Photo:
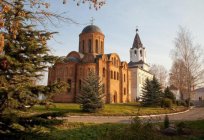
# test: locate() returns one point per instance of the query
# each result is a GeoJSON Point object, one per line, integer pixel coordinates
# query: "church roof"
{"type": "Point", "coordinates": [137, 42]}
{"type": "Point", "coordinates": [91, 29]}
{"type": "Point", "coordinates": [135, 63]}
{"type": "Point", "coordinates": [200, 90]}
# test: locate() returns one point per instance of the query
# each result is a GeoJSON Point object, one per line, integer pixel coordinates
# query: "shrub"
{"type": "Point", "coordinates": [166, 103]}
{"type": "Point", "coordinates": [183, 103]}
{"type": "Point", "coordinates": [170, 95]}
{"type": "Point", "coordinates": [166, 121]}
{"type": "Point", "coordinates": [178, 103]}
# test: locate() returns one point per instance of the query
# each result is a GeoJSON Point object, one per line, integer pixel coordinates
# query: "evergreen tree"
{"type": "Point", "coordinates": [168, 94]}
{"type": "Point", "coordinates": [151, 93]}
{"type": "Point", "coordinates": [25, 56]}
{"type": "Point", "coordinates": [91, 95]}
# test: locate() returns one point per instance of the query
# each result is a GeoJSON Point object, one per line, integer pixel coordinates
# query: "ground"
{"type": "Point", "coordinates": [196, 113]}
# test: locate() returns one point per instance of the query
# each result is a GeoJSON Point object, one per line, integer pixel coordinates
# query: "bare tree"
{"type": "Point", "coordinates": [188, 59]}
{"type": "Point", "coordinates": [160, 73]}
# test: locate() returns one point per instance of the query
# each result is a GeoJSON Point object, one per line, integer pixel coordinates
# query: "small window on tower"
{"type": "Point", "coordinates": [97, 46]}
{"type": "Point", "coordinates": [135, 52]}
{"type": "Point", "coordinates": [83, 46]}
{"type": "Point", "coordinates": [89, 44]}
{"type": "Point", "coordinates": [141, 53]}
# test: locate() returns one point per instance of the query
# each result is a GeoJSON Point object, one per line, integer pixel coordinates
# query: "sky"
{"type": "Point", "coordinates": [158, 22]}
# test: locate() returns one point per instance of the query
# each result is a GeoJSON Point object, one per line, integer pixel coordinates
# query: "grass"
{"type": "Point", "coordinates": [88, 131]}
{"type": "Point", "coordinates": [110, 109]}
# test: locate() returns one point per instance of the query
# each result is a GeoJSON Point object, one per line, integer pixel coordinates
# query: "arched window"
{"type": "Point", "coordinates": [111, 74]}
{"type": "Point", "coordinates": [114, 75]}
{"type": "Point", "coordinates": [135, 52]}
{"type": "Point", "coordinates": [69, 85]}
{"type": "Point", "coordinates": [89, 44]}
{"type": "Point", "coordinates": [124, 91]}
{"type": "Point", "coordinates": [114, 63]}
{"type": "Point", "coordinates": [124, 77]}
{"type": "Point", "coordinates": [141, 53]}
{"type": "Point", "coordinates": [104, 72]}
{"type": "Point", "coordinates": [83, 46]}
{"type": "Point", "coordinates": [79, 84]}
{"type": "Point", "coordinates": [96, 45]}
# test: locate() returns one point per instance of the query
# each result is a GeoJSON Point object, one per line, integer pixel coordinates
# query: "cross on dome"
{"type": "Point", "coordinates": [92, 20]}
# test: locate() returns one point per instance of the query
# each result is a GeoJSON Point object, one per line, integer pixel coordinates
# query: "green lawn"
{"type": "Point", "coordinates": [83, 131]}
{"type": "Point", "coordinates": [110, 109]}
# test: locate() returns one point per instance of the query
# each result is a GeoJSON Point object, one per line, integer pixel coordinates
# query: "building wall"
{"type": "Point", "coordinates": [197, 95]}
{"type": "Point", "coordinates": [64, 72]}
{"type": "Point", "coordinates": [114, 75]}
{"type": "Point", "coordinates": [138, 77]}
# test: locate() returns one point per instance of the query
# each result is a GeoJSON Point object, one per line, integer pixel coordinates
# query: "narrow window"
{"type": "Point", "coordinates": [104, 72]}
{"type": "Point", "coordinates": [80, 85]}
{"type": "Point", "coordinates": [124, 91]}
{"type": "Point", "coordinates": [135, 52]}
{"type": "Point", "coordinates": [89, 44]}
{"type": "Point", "coordinates": [114, 61]}
{"type": "Point", "coordinates": [124, 78]}
{"type": "Point", "coordinates": [83, 46]}
{"type": "Point", "coordinates": [96, 46]}
{"type": "Point", "coordinates": [117, 76]}
{"type": "Point", "coordinates": [69, 85]}
{"type": "Point", "coordinates": [111, 74]}
{"type": "Point", "coordinates": [114, 75]}
{"type": "Point", "coordinates": [141, 53]}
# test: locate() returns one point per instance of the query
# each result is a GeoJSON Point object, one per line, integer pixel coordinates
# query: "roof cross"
{"type": "Point", "coordinates": [92, 20]}
{"type": "Point", "coordinates": [137, 29]}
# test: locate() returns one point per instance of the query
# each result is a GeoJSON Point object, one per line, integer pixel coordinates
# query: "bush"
{"type": "Point", "coordinates": [166, 121]}
{"type": "Point", "coordinates": [166, 103]}
{"type": "Point", "coordinates": [183, 103]}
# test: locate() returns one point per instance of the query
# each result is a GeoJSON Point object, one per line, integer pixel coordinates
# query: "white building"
{"type": "Point", "coordinates": [198, 94]}
{"type": "Point", "coordinates": [138, 67]}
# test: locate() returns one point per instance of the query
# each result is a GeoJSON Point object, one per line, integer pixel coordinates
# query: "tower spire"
{"type": "Point", "coordinates": [137, 42]}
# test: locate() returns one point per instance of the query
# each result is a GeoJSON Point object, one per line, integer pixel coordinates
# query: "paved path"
{"type": "Point", "coordinates": [196, 113]}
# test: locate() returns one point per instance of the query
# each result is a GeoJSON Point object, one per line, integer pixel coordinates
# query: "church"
{"type": "Point", "coordinates": [122, 81]}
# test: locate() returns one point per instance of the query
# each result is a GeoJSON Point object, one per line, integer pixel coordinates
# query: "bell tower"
{"type": "Point", "coordinates": [138, 53]}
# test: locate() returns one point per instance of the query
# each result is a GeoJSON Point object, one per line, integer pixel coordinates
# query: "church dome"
{"type": "Point", "coordinates": [91, 29]}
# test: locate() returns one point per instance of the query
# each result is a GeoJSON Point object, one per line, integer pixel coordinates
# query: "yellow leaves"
{"type": "Point", "coordinates": [1, 23]}
{"type": "Point", "coordinates": [1, 42]}
{"type": "Point", "coordinates": [22, 14]}
{"type": "Point", "coordinates": [6, 8]}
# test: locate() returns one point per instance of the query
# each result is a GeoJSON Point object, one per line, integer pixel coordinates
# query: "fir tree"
{"type": "Point", "coordinates": [25, 56]}
{"type": "Point", "coordinates": [91, 95]}
{"type": "Point", "coordinates": [151, 93]}
{"type": "Point", "coordinates": [168, 94]}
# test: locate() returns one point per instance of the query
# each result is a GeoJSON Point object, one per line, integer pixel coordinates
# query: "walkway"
{"type": "Point", "coordinates": [196, 113]}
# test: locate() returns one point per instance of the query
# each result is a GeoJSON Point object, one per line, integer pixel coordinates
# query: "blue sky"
{"type": "Point", "coordinates": [158, 22]}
